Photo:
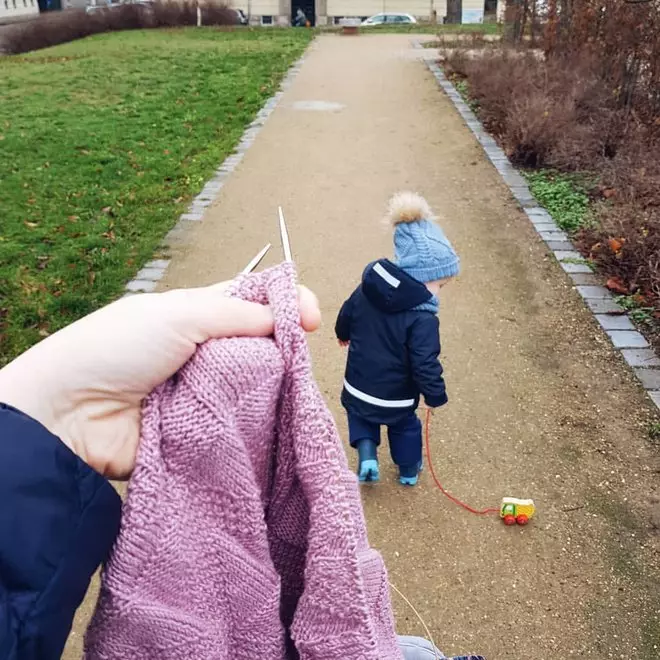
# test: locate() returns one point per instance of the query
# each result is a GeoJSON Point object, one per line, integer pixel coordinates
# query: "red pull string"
{"type": "Point", "coordinates": [455, 500]}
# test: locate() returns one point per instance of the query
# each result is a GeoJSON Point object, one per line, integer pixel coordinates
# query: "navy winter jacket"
{"type": "Point", "coordinates": [394, 346]}
{"type": "Point", "coordinates": [58, 521]}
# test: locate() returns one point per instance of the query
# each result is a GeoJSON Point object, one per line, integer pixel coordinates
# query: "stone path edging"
{"type": "Point", "coordinates": [153, 271]}
{"type": "Point", "coordinates": [610, 315]}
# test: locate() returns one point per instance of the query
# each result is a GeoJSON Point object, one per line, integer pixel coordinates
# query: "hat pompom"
{"type": "Point", "coordinates": [408, 207]}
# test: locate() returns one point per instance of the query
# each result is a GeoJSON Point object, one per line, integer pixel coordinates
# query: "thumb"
{"type": "Point", "coordinates": [207, 312]}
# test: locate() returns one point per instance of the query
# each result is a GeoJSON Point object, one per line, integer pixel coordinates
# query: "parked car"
{"type": "Point", "coordinates": [389, 18]}
{"type": "Point", "coordinates": [241, 18]}
{"type": "Point", "coordinates": [109, 4]}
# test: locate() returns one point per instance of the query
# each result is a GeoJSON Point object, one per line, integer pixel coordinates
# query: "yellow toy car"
{"type": "Point", "coordinates": [514, 511]}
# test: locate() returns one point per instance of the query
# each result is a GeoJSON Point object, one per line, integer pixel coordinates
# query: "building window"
{"type": "Point", "coordinates": [266, 20]}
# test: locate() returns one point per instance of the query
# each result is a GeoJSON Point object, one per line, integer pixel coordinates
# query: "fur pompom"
{"type": "Point", "coordinates": [408, 207]}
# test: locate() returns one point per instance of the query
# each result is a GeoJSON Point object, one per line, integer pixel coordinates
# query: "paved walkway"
{"type": "Point", "coordinates": [540, 405]}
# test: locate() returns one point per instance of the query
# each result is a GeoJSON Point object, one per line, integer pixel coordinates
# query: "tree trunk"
{"type": "Point", "coordinates": [514, 20]}
{"type": "Point", "coordinates": [455, 11]}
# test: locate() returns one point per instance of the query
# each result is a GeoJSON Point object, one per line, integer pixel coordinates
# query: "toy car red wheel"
{"type": "Point", "coordinates": [522, 519]}
{"type": "Point", "coordinates": [509, 520]}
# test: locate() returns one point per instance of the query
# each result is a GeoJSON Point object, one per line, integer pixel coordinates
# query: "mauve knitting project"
{"type": "Point", "coordinates": [243, 527]}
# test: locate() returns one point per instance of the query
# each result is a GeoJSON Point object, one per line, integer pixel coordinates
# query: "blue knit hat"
{"type": "Point", "coordinates": [421, 248]}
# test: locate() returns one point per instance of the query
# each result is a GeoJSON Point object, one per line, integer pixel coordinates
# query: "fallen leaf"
{"type": "Point", "coordinates": [31, 225]}
{"type": "Point", "coordinates": [640, 300]}
{"type": "Point", "coordinates": [73, 218]}
{"type": "Point", "coordinates": [616, 285]}
{"type": "Point", "coordinates": [615, 244]}
{"type": "Point", "coordinates": [107, 209]}
{"type": "Point", "coordinates": [609, 192]}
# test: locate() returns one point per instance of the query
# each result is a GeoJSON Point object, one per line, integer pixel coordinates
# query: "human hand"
{"type": "Point", "coordinates": [427, 408]}
{"type": "Point", "coordinates": [86, 382]}
{"type": "Point", "coordinates": [342, 343]}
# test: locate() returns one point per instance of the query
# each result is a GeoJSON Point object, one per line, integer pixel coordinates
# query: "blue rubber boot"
{"type": "Point", "coordinates": [409, 475]}
{"type": "Point", "coordinates": [368, 458]}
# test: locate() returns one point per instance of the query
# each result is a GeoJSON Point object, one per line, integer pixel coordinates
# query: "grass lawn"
{"type": "Point", "coordinates": [423, 28]}
{"type": "Point", "coordinates": [103, 142]}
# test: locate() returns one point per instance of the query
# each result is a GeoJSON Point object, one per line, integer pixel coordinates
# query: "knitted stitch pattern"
{"type": "Point", "coordinates": [243, 536]}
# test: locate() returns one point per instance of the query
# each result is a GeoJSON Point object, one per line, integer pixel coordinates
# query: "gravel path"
{"type": "Point", "coordinates": [540, 405]}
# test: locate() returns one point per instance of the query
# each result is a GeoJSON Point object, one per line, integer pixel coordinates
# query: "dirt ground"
{"type": "Point", "coordinates": [540, 405]}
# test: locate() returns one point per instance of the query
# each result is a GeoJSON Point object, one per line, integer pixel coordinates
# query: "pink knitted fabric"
{"type": "Point", "coordinates": [243, 527]}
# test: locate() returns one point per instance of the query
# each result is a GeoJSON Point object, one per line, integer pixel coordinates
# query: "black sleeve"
{"type": "Point", "coordinates": [343, 324]}
{"type": "Point", "coordinates": [424, 351]}
{"type": "Point", "coordinates": [58, 521]}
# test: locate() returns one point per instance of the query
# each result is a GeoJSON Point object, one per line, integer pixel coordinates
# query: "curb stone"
{"type": "Point", "coordinates": [612, 318]}
{"type": "Point", "coordinates": [153, 271]}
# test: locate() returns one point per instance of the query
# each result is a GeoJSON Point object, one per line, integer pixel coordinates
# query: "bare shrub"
{"type": "Point", "coordinates": [592, 104]}
{"type": "Point", "coordinates": [60, 27]}
{"type": "Point", "coordinates": [544, 113]}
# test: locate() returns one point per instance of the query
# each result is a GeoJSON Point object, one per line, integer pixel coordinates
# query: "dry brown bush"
{"type": "Point", "coordinates": [60, 27]}
{"type": "Point", "coordinates": [553, 113]}
{"type": "Point", "coordinates": [591, 104]}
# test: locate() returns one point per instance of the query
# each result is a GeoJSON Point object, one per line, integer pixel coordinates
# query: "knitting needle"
{"type": "Point", "coordinates": [256, 260]}
{"type": "Point", "coordinates": [286, 246]}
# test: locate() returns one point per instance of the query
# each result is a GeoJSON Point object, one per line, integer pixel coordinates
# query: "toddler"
{"type": "Point", "coordinates": [391, 327]}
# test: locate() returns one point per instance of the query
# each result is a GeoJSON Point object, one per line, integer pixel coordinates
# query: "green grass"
{"type": "Point", "coordinates": [463, 88]}
{"type": "Point", "coordinates": [421, 28]}
{"type": "Point", "coordinates": [654, 431]}
{"type": "Point", "coordinates": [638, 313]}
{"type": "Point", "coordinates": [563, 195]}
{"type": "Point", "coordinates": [103, 142]}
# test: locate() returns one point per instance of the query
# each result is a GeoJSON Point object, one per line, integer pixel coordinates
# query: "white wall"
{"type": "Point", "coordinates": [17, 9]}
{"type": "Point", "coordinates": [418, 8]}
{"type": "Point", "coordinates": [257, 7]}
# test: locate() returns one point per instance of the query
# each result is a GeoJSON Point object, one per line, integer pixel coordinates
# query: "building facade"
{"type": "Point", "coordinates": [17, 10]}
{"type": "Point", "coordinates": [280, 12]}
{"type": "Point", "coordinates": [330, 12]}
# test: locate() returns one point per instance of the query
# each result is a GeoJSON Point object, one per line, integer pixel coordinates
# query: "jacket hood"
{"type": "Point", "coordinates": [390, 289]}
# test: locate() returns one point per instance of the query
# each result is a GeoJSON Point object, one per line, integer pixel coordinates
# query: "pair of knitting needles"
{"type": "Point", "coordinates": [286, 246]}
{"type": "Point", "coordinates": [254, 262]}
